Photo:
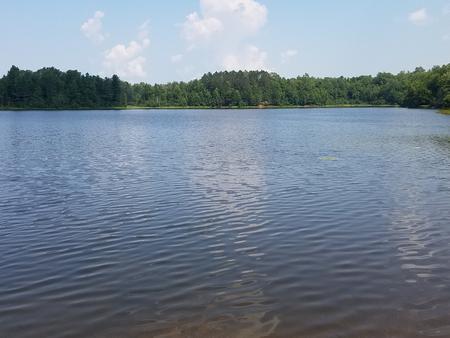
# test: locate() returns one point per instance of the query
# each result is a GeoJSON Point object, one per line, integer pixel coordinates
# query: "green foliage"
{"type": "Point", "coordinates": [234, 89]}
{"type": "Point", "coordinates": [51, 88]}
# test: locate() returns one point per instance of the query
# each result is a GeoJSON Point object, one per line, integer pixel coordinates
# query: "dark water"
{"type": "Point", "coordinates": [280, 223]}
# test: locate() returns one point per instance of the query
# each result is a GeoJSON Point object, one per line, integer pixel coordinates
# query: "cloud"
{"type": "Point", "coordinates": [222, 28]}
{"type": "Point", "coordinates": [250, 58]}
{"type": "Point", "coordinates": [248, 13]}
{"type": "Point", "coordinates": [127, 61]}
{"type": "Point", "coordinates": [176, 58]}
{"type": "Point", "coordinates": [242, 17]}
{"type": "Point", "coordinates": [143, 33]}
{"type": "Point", "coordinates": [93, 29]}
{"type": "Point", "coordinates": [418, 17]}
{"type": "Point", "coordinates": [288, 54]}
{"type": "Point", "coordinates": [196, 28]}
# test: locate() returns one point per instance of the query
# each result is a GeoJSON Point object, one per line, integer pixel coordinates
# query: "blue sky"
{"type": "Point", "coordinates": [161, 41]}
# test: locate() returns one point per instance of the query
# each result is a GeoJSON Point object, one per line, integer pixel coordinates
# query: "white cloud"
{"type": "Point", "coordinates": [176, 58]}
{"type": "Point", "coordinates": [248, 13]}
{"type": "Point", "coordinates": [196, 28]}
{"type": "Point", "coordinates": [221, 30]}
{"type": "Point", "coordinates": [229, 17]}
{"type": "Point", "coordinates": [93, 29]}
{"type": "Point", "coordinates": [250, 58]}
{"type": "Point", "coordinates": [143, 33]}
{"type": "Point", "coordinates": [127, 61]}
{"type": "Point", "coordinates": [418, 17]}
{"type": "Point", "coordinates": [288, 54]}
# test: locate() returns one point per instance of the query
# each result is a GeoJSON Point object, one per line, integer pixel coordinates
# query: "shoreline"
{"type": "Point", "coordinates": [445, 111]}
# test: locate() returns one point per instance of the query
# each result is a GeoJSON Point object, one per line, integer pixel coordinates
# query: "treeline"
{"type": "Point", "coordinates": [224, 89]}
{"type": "Point", "coordinates": [51, 88]}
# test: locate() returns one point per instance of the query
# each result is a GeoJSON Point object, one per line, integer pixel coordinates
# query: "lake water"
{"type": "Point", "coordinates": [225, 223]}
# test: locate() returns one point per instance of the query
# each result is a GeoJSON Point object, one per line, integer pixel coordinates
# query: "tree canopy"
{"type": "Point", "coordinates": [52, 88]}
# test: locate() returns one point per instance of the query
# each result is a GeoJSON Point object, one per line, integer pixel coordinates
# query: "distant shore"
{"type": "Point", "coordinates": [52, 89]}
{"type": "Point", "coordinates": [441, 110]}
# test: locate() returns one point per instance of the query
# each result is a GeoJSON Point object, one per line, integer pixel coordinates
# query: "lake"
{"type": "Point", "coordinates": [225, 223]}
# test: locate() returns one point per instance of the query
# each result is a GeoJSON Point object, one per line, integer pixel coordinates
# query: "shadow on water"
{"type": "Point", "coordinates": [441, 140]}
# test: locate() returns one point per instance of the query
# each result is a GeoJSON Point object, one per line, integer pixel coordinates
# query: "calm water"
{"type": "Point", "coordinates": [279, 223]}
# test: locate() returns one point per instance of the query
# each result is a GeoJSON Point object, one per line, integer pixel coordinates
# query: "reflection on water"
{"type": "Point", "coordinates": [277, 223]}
{"type": "Point", "coordinates": [231, 179]}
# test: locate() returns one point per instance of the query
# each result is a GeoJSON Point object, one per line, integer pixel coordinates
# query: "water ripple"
{"type": "Point", "coordinates": [286, 223]}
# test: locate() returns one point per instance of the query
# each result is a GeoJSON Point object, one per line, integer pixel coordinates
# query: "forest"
{"type": "Point", "coordinates": [50, 88]}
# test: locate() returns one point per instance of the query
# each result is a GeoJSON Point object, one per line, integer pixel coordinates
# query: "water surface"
{"type": "Point", "coordinates": [279, 223]}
